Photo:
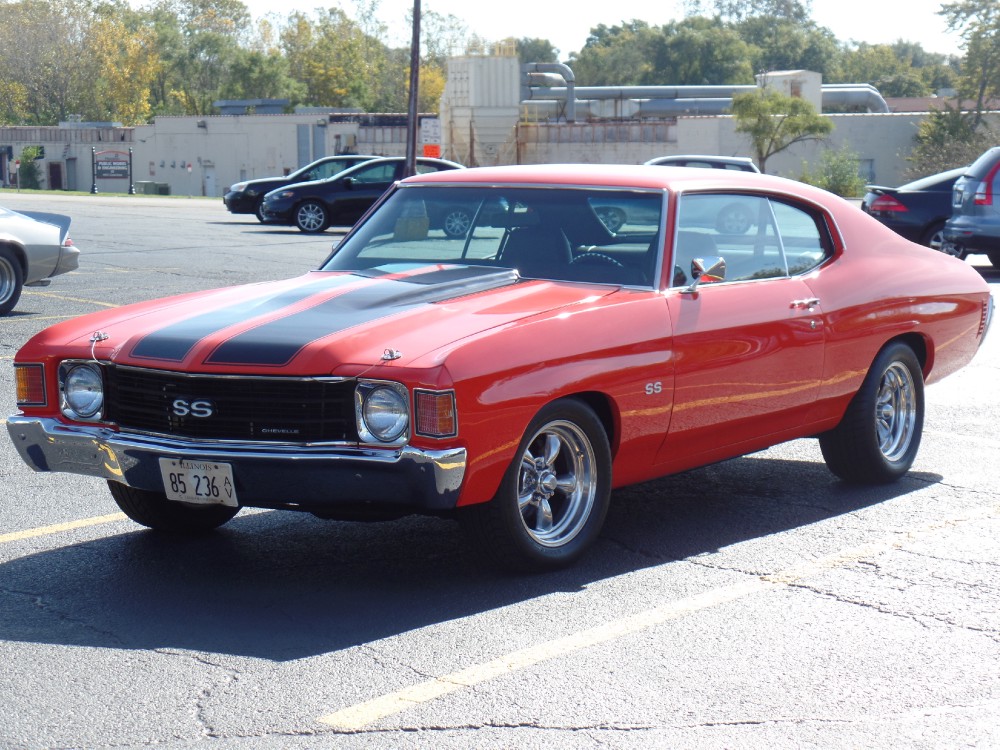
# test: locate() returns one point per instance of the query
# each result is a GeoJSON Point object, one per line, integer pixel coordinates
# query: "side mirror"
{"type": "Point", "coordinates": [710, 270]}
{"type": "Point", "coordinates": [348, 183]}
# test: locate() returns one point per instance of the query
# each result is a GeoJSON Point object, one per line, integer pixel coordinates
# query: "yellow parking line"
{"type": "Point", "coordinates": [358, 716]}
{"type": "Point", "coordinates": [17, 536]}
{"type": "Point", "coordinates": [71, 299]}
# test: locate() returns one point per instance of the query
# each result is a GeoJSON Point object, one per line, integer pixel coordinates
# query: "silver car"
{"type": "Point", "coordinates": [974, 226]}
{"type": "Point", "coordinates": [33, 248]}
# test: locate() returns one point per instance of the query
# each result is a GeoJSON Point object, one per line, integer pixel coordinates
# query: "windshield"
{"type": "Point", "coordinates": [565, 234]}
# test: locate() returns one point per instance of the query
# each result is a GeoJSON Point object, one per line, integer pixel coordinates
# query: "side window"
{"type": "Point", "coordinates": [758, 237]}
{"type": "Point", "coordinates": [804, 238]}
{"type": "Point", "coordinates": [377, 173]}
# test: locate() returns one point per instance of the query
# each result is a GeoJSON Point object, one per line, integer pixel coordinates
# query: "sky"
{"type": "Point", "coordinates": [567, 24]}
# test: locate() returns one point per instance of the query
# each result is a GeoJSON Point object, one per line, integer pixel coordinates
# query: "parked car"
{"type": "Point", "coordinates": [917, 210]}
{"type": "Point", "coordinates": [34, 247]}
{"type": "Point", "coordinates": [342, 199]}
{"type": "Point", "coordinates": [737, 163]}
{"type": "Point", "coordinates": [245, 197]}
{"type": "Point", "coordinates": [735, 219]}
{"type": "Point", "coordinates": [514, 379]}
{"type": "Point", "coordinates": [974, 226]}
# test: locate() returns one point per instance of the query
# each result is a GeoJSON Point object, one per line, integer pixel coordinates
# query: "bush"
{"type": "Point", "coordinates": [838, 173]}
{"type": "Point", "coordinates": [28, 174]}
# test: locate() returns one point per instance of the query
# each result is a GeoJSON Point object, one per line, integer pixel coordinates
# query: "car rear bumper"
{"type": "Point", "coordinates": [266, 475]}
{"type": "Point", "coordinates": [973, 237]}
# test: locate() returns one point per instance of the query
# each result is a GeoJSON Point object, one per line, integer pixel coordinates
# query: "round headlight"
{"type": "Point", "coordinates": [385, 414]}
{"type": "Point", "coordinates": [83, 391]}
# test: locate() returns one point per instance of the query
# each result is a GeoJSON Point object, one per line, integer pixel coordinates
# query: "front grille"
{"type": "Point", "coordinates": [215, 407]}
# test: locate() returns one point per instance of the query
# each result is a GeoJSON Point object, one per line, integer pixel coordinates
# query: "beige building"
{"type": "Point", "coordinates": [488, 115]}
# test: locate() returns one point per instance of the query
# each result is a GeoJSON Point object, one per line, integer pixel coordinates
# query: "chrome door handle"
{"type": "Point", "coordinates": [805, 304]}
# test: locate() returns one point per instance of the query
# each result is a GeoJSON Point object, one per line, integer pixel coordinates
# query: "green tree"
{"type": "Point", "coordinates": [775, 122]}
{"type": "Point", "coordinates": [536, 50]}
{"type": "Point", "coordinates": [783, 44]}
{"type": "Point", "coordinates": [695, 51]}
{"type": "Point", "coordinates": [883, 68]}
{"type": "Point", "coordinates": [124, 65]}
{"type": "Point", "coordinates": [616, 55]}
{"type": "Point", "coordinates": [700, 51]}
{"type": "Point", "coordinates": [978, 22]}
{"type": "Point", "coordinates": [740, 10]}
{"type": "Point", "coordinates": [837, 172]}
{"type": "Point", "coordinates": [947, 138]}
{"type": "Point", "coordinates": [29, 176]}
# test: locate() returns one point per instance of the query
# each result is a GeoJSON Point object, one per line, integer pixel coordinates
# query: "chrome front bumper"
{"type": "Point", "coordinates": [266, 475]}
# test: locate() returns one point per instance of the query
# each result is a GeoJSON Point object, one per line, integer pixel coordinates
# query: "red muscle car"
{"type": "Point", "coordinates": [514, 375]}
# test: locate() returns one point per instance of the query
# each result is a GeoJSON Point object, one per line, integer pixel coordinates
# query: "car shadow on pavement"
{"type": "Point", "coordinates": [283, 586]}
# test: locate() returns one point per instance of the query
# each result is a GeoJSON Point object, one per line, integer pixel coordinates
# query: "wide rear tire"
{"type": "Point", "coordinates": [11, 280]}
{"type": "Point", "coordinates": [152, 509]}
{"type": "Point", "coordinates": [877, 440]}
{"type": "Point", "coordinates": [554, 497]}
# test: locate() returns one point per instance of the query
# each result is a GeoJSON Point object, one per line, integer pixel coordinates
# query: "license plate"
{"type": "Point", "coordinates": [202, 482]}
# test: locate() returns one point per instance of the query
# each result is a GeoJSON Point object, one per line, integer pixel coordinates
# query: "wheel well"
{"type": "Point", "coordinates": [18, 252]}
{"type": "Point", "coordinates": [602, 407]}
{"type": "Point", "coordinates": [918, 344]}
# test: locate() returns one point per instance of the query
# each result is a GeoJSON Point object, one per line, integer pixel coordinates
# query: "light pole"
{"type": "Point", "coordinates": [410, 168]}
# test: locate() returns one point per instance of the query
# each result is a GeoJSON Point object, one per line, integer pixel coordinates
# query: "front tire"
{"type": "Point", "coordinates": [877, 440]}
{"type": "Point", "coordinates": [553, 499]}
{"type": "Point", "coordinates": [311, 217]}
{"type": "Point", "coordinates": [11, 280]}
{"type": "Point", "coordinates": [994, 258]}
{"type": "Point", "coordinates": [152, 509]}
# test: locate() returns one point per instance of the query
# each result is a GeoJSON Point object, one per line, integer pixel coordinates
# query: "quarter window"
{"type": "Point", "coordinates": [759, 237]}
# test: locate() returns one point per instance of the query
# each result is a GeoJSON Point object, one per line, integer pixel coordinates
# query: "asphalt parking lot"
{"type": "Point", "coordinates": [754, 603]}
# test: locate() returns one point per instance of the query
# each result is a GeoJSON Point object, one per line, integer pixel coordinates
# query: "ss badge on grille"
{"type": "Point", "coordinates": [199, 407]}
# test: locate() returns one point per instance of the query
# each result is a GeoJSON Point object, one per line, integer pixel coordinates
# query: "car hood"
{"type": "Point", "coordinates": [323, 323]}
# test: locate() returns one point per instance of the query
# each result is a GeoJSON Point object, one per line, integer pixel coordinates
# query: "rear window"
{"type": "Point", "coordinates": [981, 166]}
{"type": "Point", "coordinates": [942, 181]}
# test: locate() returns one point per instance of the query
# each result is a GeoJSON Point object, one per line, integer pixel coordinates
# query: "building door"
{"type": "Point", "coordinates": [55, 175]}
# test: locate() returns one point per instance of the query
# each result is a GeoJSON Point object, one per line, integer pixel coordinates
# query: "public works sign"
{"type": "Point", "coordinates": [111, 164]}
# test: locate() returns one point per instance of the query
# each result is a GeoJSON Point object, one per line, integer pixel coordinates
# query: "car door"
{"type": "Point", "coordinates": [359, 190]}
{"type": "Point", "coordinates": [748, 349]}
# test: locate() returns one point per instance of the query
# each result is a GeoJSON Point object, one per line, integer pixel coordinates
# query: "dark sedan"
{"type": "Point", "coordinates": [342, 199]}
{"type": "Point", "coordinates": [245, 197]}
{"type": "Point", "coordinates": [916, 210]}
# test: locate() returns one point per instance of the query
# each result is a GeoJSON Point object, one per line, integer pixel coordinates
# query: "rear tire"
{"type": "Point", "coordinates": [152, 509]}
{"type": "Point", "coordinates": [553, 499]}
{"type": "Point", "coordinates": [11, 280]}
{"type": "Point", "coordinates": [994, 258]}
{"type": "Point", "coordinates": [877, 440]}
{"type": "Point", "coordinates": [933, 236]}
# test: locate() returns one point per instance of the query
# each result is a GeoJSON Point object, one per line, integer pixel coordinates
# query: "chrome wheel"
{"type": "Point", "coordinates": [895, 411]}
{"type": "Point", "coordinates": [734, 219]}
{"type": "Point", "coordinates": [557, 484]}
{"type": "Point", "coordinates": [553, 499]}
{"type": "Point", "coordinates": [879, 435]}
{"type": "Point", "coordinates": [457, 223]}
{"type": "Point", "coordinates": [310, 217]}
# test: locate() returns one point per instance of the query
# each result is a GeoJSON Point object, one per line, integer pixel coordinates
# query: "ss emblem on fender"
{"type": "Point", "coordinates": [199, 407]}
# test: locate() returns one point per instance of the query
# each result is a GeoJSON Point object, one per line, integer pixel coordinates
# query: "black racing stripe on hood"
{"type": "Point", "coordinates": [173, 342]}
{"type": "Point", "coordinates": [276, 342]}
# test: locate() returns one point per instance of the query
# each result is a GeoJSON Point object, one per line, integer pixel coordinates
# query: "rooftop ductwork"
{"type": "Point", "coordinates": [668, 101]}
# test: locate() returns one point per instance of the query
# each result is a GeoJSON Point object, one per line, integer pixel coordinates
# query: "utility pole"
{"type": "Point", "coordinates": [410, 168]}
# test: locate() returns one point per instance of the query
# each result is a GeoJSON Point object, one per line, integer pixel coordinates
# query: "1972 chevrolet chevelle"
{"type": "Point", "coordinates": [514, 376]}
